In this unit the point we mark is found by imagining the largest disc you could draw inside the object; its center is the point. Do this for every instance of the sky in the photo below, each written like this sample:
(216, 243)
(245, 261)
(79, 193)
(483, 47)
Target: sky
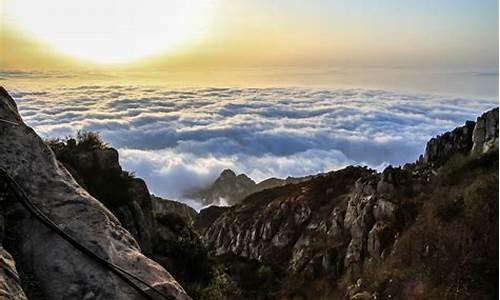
(197, 35)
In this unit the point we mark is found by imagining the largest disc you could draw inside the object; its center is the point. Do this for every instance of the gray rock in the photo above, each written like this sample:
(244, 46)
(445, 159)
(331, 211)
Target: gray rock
(442, 147)
(379, 238)
(485, 135)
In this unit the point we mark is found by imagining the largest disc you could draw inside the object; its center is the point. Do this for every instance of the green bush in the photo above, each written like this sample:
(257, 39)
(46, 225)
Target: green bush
(220, 287)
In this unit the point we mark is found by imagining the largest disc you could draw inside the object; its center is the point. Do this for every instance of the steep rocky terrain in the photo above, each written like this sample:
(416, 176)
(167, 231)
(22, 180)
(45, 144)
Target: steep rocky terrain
(230, 188)
(49, 266)
(427, 230)
(328, 236)
(163, 228)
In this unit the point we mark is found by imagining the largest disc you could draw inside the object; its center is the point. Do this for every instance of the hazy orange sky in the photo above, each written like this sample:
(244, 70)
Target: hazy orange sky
(242, 33)
(376, 44)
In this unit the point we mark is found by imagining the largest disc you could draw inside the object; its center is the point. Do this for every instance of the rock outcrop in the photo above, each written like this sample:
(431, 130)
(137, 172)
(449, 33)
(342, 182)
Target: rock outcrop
(485, 135)
(442, 147)
(60, 271)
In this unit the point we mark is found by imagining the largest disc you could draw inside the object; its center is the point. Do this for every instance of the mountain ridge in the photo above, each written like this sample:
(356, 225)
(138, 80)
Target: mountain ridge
(229, 188)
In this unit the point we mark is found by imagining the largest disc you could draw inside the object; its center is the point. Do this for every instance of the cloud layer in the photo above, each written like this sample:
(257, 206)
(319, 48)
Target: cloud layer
(179, 139)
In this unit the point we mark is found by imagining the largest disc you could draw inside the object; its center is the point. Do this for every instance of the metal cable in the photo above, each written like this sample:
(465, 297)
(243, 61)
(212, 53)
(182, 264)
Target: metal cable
(37, 213)
(9, 122)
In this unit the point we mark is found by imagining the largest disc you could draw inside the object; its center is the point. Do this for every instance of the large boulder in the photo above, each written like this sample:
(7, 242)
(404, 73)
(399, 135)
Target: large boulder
(61, 271)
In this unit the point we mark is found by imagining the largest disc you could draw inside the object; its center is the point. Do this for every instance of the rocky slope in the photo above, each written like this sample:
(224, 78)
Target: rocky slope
(335, 227)
(230, 188)
(163, 228)
(428, 230)
(50, 267)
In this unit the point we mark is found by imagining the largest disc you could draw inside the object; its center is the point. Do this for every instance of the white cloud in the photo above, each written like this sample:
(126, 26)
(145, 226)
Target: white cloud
(179, 139)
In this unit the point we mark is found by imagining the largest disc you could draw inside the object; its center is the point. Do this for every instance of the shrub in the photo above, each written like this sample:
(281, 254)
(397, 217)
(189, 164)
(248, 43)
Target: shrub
(88, 140)
(219, 287)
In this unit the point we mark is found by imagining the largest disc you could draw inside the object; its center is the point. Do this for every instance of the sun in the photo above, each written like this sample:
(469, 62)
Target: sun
(110, 31)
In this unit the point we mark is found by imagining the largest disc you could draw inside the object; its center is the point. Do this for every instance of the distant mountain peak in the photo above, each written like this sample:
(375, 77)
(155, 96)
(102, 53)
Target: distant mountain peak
(227, 173)
(230, 188)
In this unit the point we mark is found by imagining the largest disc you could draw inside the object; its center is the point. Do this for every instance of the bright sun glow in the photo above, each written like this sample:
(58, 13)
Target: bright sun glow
(110, 31)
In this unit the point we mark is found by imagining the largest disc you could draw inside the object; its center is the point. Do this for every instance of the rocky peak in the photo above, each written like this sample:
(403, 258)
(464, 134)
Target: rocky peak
(234, 188)
(227, 188)
(226, 174)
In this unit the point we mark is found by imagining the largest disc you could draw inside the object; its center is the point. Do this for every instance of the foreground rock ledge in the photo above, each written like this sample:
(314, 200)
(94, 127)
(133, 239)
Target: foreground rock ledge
(61, 272)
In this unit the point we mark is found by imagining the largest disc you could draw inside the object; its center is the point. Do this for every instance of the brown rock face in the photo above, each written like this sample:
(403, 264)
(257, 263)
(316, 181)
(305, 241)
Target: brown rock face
(62, 272)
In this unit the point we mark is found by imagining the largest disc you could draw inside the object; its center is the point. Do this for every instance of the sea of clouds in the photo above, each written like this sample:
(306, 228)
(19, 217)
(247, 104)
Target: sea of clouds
(178, 139)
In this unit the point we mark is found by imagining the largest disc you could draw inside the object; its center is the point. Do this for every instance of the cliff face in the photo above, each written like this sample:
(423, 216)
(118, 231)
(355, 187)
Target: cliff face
(55, 268)
(485, 135)
(331, 228)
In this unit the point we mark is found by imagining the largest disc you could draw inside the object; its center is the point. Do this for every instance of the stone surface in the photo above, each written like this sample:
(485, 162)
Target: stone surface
(164, 206)
(442, 147)
(60, 270)
(10, 283)
(485, 135)
(208, 215)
